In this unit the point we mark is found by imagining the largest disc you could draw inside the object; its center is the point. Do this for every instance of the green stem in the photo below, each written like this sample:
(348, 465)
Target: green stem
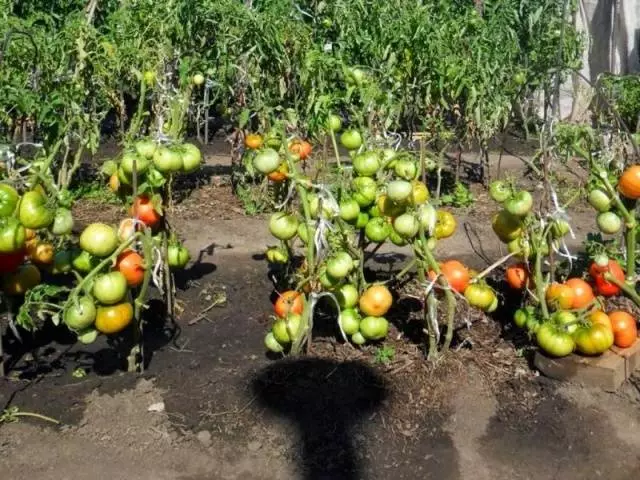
(136, 124)
(540, 286)
(627, 289)
(35, 415)
(136, 356)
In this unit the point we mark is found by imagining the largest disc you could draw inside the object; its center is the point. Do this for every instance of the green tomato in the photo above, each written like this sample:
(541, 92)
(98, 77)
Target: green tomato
(287, 330)
(355, 76)
(377, 230)
(178, 256)
(399, 191)
(349, 210)
(198, 79)
(81, 315)
(480, 296)
(83, 261)
(407, 169)
(146, 148)
(594, 339)
(599, 200)
(334, 123)
(283, 226)
(374, 328)
(8, 200)
(272, 344)
(500, 191)
(565, 320)
(99, 239)
(519, 204)
(327, 281)
(339, 265)
(347, 296)
(349, 321)
(397, 239)
(358, 339)
(522, 316)
(303, 232)
(506, 226)
(365, 191)
(609, 223)
(33, 211)
(191, 158)
(362, 220)
(167, 160)
(554, 340)
(110, 288)
(12, 235)
(406, 225)
(62, 222)
(519, 78)
(62, 262)
(277, 255)
(88, 336)
(366, 164)
(141, 163)
(351, 140)
(560, 228)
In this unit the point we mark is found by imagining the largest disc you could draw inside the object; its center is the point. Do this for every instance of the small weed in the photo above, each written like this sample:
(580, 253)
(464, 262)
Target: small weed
(385, 355)
(460, 197)
(96, 191)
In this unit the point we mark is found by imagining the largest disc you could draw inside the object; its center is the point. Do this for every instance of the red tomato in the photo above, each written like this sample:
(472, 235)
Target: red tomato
(9, 262)
(302, 148)
(517, 276)
(145, 211)
(456, 273)
(603, 287)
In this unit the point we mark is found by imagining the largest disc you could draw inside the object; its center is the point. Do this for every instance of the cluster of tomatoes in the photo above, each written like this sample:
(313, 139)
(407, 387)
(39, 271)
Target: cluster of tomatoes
(601, 198)
(577, 322)
(153, 163)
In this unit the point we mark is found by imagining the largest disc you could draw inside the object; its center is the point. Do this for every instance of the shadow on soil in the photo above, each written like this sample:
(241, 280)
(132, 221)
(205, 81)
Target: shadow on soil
(325, 400)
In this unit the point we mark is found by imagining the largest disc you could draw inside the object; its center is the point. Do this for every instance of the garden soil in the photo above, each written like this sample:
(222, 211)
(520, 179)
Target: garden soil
(210, 405)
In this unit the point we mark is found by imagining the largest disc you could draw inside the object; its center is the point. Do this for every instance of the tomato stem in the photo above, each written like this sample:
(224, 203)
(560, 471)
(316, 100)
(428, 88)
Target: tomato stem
(540, 285)
(626, 288)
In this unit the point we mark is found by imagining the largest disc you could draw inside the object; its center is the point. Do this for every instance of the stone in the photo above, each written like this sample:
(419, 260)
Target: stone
(606, 371)
(204, 437)
(631, 357)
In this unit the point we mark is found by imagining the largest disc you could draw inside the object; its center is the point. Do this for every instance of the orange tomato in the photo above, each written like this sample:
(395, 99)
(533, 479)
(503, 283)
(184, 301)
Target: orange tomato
(375, 301)
(625, 330)
(582, 292)
(560, 296)
(41, 253)
(456, 274)
(281, 174)
(253, 141)
(629, 183)
(517, 276)
(114, 318)
(29, 234)
(131, 265)
(145, 211)
(599, 317)
(302, 148)
(114, 183)
(289, 302)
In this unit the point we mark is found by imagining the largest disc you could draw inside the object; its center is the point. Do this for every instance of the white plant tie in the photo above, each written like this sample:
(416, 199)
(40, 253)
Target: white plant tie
(292, 189)
(314, 298)
(320, 238)
(157, 272)
(432, 310)
(561, 214)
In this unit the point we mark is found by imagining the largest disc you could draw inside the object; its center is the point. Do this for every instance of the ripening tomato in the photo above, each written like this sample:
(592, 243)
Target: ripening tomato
(376, 301)
(301, 148)
(603, 287)
(445, 224)
(253, 141)
(599, 317)
(457, 275)
(629, 183)
(582, 292)
(126, 229)
(131, 265)
(560, 296)
(114, 318)
(281, 174)
(625, 330)
(289, 302)
(145, 211)
(42, 254)
(517, 276)
(594, 339)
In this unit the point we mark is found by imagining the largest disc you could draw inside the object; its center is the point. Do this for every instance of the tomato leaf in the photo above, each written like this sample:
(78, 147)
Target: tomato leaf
(109, 167)
(156, 200)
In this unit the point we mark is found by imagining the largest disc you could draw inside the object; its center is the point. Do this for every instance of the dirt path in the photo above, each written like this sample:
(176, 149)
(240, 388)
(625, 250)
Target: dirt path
(228, 412)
